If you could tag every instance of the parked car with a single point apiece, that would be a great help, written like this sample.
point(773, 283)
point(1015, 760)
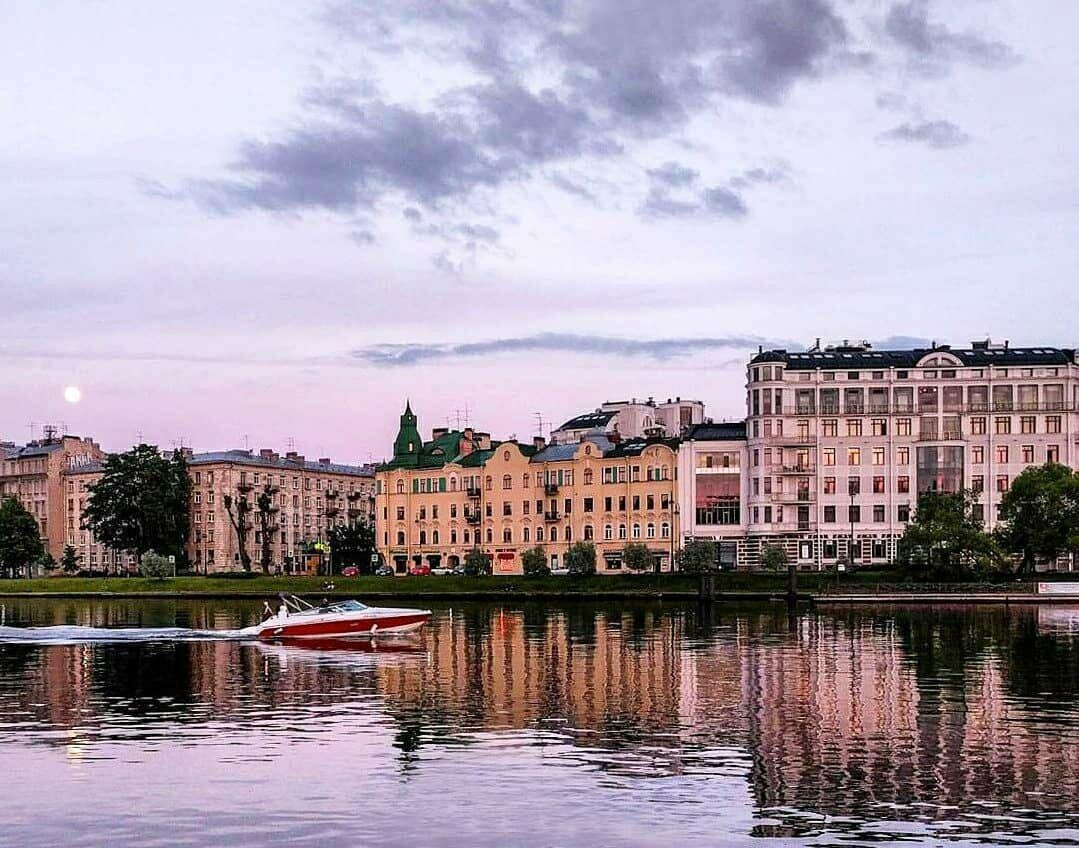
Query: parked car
point(384, 571)
point(351, 571)
point(560, 572)
point(442, 572)
point(420, 571)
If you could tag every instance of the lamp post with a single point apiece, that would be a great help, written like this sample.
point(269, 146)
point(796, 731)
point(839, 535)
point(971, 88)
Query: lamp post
point(850, 542)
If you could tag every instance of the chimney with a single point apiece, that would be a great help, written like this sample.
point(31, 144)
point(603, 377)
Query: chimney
point(437, 432)
point(539, 443)
point(292, 456)
point(266, 453)
point(323, 460)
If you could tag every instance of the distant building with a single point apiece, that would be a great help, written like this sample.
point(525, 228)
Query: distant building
point(437, 499)
point(35, 474)
point(308, 498)
point(633, 419)
point(842, 439)
point(713, 487)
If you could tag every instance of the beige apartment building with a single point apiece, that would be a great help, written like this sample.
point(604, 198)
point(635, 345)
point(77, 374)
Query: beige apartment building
point(308, 498)
point(36, 475)
point(437, 499)
point(841, 440)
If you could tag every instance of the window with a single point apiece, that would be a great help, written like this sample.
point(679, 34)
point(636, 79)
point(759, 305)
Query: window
point(854, 514)
point(902, 456)
point(434, 537)
point(878, 456)
point(1028, 424)
point(854, 456)
point(854, 485)
point(400, 513)
point(507, 481)
point(507, 534)
point(879, 427)
point(525, 534)
point(1052, 423)
point(828, 456)
point(902, 484)
point(400, 537)
point(1002, 454)
point(1002, 482)
point(854, 426)
point(588, 532)
point(977, 426)
point(621, 531)
point(1028, 454)
point(977, 483)
point(878, 485)
point(665, 530)
point(1002, 425)
point(608, 532)
point(588, 505)
point(507, 508)
point(878, 513)
point(1052, 453)
point(650, 530)
point(400, 487)
point(829, 515)
point(977, 455)
point(902, 513)
point(829, 485)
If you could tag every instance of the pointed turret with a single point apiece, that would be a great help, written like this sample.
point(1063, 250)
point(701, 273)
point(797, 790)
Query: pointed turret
point(408, 444)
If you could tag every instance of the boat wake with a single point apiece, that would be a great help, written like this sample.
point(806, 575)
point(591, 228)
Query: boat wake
point(73, 635)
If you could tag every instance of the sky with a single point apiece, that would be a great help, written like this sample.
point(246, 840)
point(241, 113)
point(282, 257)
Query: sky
point(267, 224)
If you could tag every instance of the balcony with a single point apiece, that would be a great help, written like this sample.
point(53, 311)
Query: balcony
point(550, 489)
point(354, 496)
point(244, 487)
point(791, 441)
point(473, 492)
point(354, 512)
point(473, 517)
point(551, 515)
point(801, 497)
point(794, 469)
point(332, 511)
point(332, 493)
point(940, 436)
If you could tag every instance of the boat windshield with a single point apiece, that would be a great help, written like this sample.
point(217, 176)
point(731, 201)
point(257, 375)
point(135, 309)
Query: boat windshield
point(347, 606)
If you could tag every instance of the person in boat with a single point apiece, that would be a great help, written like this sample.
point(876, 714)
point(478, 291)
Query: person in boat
point(282, 611)
point(267, 610)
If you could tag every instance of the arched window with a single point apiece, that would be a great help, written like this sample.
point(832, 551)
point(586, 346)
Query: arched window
point(554, 534)
point(665, 530)
point(708, 461)
point(663, 473)
point(587, 450)
point(539, 534)
point(726, 460)
point(400, 537)
point(524, 480)
point(608, 531)
point(588, 476)
point(507, 534)
point(524, 534)
point(434, 536)
point(505, 456)
point(507, 481)
point(400, 487)
point(650, 530)
point(453, 537)
point(636, 530)
point(453, 483)
point(569, 534)
point(588, 535)
point(490, 535)
point(423, 537)
point(490, 482)
point(621, 531)
point(465, 535)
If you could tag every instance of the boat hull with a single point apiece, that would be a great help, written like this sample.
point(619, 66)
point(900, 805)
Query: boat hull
point(344, 627)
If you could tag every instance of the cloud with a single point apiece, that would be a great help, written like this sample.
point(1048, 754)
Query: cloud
point(724, 202)
point(939, 134)
point(673, 174)
point(656, 349)
point(933, 45)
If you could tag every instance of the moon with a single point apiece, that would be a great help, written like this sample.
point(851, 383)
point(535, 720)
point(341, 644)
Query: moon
point(72, 394)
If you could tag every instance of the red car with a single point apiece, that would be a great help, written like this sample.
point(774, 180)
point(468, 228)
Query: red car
point(351, 571)
point(421, 571)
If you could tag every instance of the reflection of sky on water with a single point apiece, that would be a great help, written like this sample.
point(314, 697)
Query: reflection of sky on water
point(519, 725)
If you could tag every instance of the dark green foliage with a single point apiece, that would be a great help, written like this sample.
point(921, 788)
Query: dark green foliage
point(1040, 515)
point(352, 544)
point(946, 541)
point(697, 555)
point(637, 557)
point(477, 563)
point(534, 562)
point(581, 559)
point(238, 509)
point(69, 563)
point(774, 557)
point(20, 538)
point(155, 566)
point(141, 503)
point(265, 514)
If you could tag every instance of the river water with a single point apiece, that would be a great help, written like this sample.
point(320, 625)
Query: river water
point(574, 725)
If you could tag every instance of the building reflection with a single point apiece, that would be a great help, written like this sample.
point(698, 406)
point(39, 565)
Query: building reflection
point(830, 713)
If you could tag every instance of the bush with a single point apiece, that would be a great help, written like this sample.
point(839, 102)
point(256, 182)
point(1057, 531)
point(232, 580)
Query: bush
point(477, 563)
point(697, 555)
point(534, 562)
point(581, 559)
point(155, 566)
point(774, 557)
point(637, 557)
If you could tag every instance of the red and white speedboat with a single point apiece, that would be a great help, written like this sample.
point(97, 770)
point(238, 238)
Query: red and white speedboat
point(297, 619)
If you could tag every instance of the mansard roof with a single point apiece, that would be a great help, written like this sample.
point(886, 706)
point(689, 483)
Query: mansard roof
point(858, 357)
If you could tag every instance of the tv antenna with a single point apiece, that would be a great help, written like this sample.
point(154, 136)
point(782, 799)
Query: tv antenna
point(291, 442)
point(32, 427)
point(539, 422)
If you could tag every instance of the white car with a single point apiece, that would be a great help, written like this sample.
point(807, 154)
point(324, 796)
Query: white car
point(442, 572)
point(559, 572)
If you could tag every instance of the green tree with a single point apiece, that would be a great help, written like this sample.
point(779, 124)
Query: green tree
point(946, 540)
point(69, 562)
point(352, 544)
point(477, 563)
point(534, 562)
point(637, 557)
point(20, 538)
point(774, 557)
point(141, 502)
point(581, 559)
point(265, 516)
point(697, 555)
point(1040, 515)
point(238, 509)
point(155, 566)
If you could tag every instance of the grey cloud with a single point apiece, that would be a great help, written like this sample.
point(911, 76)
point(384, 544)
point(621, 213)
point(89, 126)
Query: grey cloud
point(673, 174)
point(760, 176)
point(724, 202)
point(660, 204)
point(362, 237)
point(572, 186)
point(939, 134)
point(656, 349)
point(908, 24)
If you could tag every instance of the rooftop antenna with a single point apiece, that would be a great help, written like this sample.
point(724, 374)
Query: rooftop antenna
point(138, 437)
point(32, 426)
point(468, 415)
point(539, 422)
point(291, 442)
point(246, 441)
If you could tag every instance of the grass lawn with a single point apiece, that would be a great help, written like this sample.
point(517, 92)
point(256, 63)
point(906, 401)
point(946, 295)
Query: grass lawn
point(618, 584)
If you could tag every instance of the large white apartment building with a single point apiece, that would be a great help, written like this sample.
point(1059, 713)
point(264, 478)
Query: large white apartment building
point(840, 440)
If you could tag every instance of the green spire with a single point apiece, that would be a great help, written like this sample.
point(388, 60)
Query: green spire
point(408, 445)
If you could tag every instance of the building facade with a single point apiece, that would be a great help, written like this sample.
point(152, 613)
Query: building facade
point(841, 440)
point(633, 419)
point(307, 499)
point(438, 499)
point(713, 488)
point(36, 475)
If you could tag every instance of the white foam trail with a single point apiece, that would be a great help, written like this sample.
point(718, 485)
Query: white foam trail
point(72, 635)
